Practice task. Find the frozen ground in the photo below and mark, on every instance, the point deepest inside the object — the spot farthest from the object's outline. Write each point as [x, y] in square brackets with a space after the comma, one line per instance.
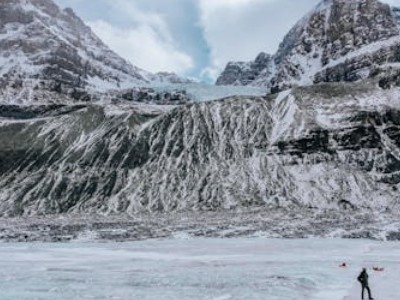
[282, 223]
[199, 268]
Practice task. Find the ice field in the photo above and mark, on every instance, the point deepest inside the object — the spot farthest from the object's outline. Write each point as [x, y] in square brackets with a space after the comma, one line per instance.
[215, 269]
[205, 92]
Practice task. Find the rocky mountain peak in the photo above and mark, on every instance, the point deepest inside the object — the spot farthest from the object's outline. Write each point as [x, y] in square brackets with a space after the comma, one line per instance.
[330, 147]
[47, 6]
[353, 24]
[43, 47]
[334, 32]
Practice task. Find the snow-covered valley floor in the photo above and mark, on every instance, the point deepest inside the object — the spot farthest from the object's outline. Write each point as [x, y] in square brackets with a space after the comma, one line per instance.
[198, 268]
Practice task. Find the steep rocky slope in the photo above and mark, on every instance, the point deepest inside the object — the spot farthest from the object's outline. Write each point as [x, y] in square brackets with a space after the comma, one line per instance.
[330, 145]
[327, 146]
[340, 40]
[44, 48]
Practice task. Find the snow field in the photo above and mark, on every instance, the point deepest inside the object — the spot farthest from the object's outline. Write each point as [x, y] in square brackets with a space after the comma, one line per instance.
[214, 269]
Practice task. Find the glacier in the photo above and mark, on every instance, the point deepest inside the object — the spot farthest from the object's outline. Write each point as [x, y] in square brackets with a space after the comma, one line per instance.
[198, 269]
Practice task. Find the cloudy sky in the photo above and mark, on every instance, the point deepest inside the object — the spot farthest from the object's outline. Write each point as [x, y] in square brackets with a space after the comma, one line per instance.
[194, 38]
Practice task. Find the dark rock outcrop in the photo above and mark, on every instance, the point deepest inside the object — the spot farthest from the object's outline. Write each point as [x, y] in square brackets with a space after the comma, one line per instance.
[151, 96]
[244, 73]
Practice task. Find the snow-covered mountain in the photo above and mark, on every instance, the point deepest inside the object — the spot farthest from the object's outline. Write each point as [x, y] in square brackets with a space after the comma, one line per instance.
[326, 146]
[333, 143]
[45, 48]
[339, 40]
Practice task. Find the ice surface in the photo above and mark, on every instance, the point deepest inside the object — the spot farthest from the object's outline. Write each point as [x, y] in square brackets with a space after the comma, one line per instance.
[212, 269]
[204, 92]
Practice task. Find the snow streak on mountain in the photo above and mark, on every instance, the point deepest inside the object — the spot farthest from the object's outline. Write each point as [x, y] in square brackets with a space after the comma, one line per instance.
[322, 147]
[339, 40]
[327, 138]
[45, 48]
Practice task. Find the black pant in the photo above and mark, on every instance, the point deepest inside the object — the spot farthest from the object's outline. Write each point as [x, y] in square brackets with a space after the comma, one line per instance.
[366, 287]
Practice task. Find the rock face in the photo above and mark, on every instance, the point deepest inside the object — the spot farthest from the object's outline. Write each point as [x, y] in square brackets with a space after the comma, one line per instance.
[327, 146]
[45, 48]
[244, 73]
[331, 145]
[340, 40]
[151, 96]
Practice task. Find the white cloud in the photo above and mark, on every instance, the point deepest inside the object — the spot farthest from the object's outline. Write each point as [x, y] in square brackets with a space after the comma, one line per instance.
[147, 18]
[147, 42]
[392, 2]
[144, 46]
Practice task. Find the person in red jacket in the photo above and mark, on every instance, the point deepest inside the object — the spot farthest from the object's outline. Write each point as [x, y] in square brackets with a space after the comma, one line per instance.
[363, 279]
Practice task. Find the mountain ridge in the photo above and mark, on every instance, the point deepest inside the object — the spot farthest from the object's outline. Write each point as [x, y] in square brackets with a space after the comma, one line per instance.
[315, 48]
[330, 145]
[44, 47]
[220, 155]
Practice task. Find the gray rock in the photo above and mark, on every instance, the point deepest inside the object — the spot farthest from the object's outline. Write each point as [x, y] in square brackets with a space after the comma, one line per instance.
[45, 48]
[235, 153]
[151, 96]
[338, 41]
[242, 73]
